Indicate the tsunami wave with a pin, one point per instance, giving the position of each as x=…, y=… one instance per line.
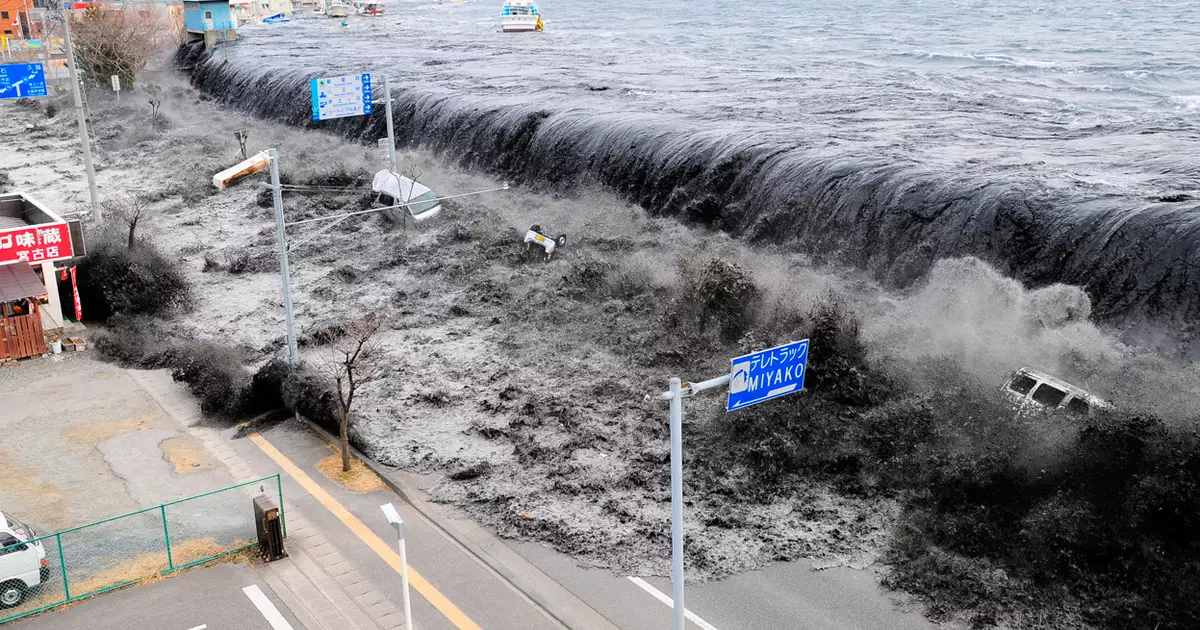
x=1136, y=257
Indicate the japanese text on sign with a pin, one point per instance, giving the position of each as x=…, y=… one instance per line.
x=767, y=374
x=36, y=243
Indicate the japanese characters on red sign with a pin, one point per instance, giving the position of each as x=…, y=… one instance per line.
x=36, y=243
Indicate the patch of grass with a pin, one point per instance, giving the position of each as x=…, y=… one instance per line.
x=358, y=479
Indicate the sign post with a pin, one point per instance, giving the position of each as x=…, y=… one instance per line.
x=387, y=100
x=116, y=83
x=753, y=378
x=22, y=80
x=341, y=97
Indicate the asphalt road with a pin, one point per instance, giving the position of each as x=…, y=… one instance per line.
x=209, y=598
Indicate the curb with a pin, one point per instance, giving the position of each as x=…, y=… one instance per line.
x=563, y=606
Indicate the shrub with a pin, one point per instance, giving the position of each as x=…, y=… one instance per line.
x=138, y=341
x=214, y=374
x=116, y=41
x=311, y=394
x=718, y=293
x=266, y=387
x=116, y=279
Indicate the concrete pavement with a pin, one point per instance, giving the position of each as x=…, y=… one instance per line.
x=210, y=598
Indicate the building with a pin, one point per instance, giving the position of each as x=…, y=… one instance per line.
x=13, y=20
x=32, y=240
x=253, y=11
x=210, y=21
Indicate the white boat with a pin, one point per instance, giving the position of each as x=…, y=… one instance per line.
x=520, y=16
x=338, y=11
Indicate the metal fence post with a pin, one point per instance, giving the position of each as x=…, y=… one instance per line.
x=167, y=537
x=282, y=518
x=62, y=565
x=677, y=501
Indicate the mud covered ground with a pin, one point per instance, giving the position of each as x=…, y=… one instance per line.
x=524, y=382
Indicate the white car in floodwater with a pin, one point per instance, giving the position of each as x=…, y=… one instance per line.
x=1031, y=389
x=395, y=189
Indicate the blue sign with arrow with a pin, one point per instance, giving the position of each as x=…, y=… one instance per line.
x=21, y=80
x=767, y=374
x=339, y=97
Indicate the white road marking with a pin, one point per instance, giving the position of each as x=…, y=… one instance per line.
x=199, y=627
x=662, y=597
x=264, y=606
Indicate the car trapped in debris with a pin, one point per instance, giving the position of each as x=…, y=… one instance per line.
x=395, y=189
x=1032, y=389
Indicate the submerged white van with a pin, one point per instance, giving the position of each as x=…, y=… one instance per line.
x=22, y=563
x=394, y=189
x=1032, y=389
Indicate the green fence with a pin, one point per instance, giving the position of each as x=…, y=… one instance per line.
x=38, y=572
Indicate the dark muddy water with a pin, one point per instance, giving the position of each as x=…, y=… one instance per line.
x=1057, y=140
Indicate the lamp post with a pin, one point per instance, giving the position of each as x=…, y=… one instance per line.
x=393, y=517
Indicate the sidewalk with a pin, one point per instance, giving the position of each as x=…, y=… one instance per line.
x=315, y=581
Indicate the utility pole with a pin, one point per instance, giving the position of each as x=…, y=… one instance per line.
x=387, y=99
x=81, y=119
x=281, y=238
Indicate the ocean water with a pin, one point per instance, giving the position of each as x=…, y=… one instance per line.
x=1057, y=140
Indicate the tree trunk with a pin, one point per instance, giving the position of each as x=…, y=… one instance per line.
x=132, y=227
x=345, y=435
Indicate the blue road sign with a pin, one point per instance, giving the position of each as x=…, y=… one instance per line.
x=21, y=80
x=340, y=97
x=767, y=374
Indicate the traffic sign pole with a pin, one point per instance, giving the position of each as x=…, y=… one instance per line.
x=81, y=118
x=387, y=99
x=677, y=501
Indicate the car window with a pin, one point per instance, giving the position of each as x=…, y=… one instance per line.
x=1049, y=395
x=422, y=203
x=1021, y=384
x=1078, y=405
x=10, y=544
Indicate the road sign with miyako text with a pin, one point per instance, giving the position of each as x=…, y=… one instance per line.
x=21, y=80
x=767, y=374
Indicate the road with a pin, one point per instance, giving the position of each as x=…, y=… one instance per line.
x=210, y=598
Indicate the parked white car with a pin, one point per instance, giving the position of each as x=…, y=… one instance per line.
x=22, y=563
x=1032, y=389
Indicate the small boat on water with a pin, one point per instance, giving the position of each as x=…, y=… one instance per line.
x=520, y=16
x=371, y=8
x=338, y=10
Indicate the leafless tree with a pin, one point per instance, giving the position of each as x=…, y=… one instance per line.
x=117, y=41
x=155, y=100
x=357, y=360
x=130, y=210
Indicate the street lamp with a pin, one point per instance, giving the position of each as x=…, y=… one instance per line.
x=393, y=517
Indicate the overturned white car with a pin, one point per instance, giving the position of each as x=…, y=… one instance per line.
x=1031, y=389
x=395, y=189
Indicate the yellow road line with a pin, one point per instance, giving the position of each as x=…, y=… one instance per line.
x=381, y=549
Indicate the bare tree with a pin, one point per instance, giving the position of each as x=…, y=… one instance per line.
x=117, y=41
x=357, y=360
x=130, y=210
x=155, y=100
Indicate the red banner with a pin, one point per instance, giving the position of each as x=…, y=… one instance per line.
x=75, y=291
x=35, y=244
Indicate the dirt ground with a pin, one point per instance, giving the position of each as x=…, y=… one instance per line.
x=526, y=382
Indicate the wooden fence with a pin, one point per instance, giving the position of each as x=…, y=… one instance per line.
x=21, y=336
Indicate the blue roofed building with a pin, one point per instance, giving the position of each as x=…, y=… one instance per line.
x=210, y=21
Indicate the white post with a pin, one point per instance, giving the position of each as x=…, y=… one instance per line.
x=54, y=308
x=387, y=99
x=404, y=579
x=281, y=240
x=677, y=500
x=397, y=523
x=82, y=120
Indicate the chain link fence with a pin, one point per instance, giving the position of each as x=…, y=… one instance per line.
x=38, y=572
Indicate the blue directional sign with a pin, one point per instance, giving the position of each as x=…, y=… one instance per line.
x=340, y=97
x=21, y=80
x=767, y=374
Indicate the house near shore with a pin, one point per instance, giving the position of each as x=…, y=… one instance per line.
x=209, y=21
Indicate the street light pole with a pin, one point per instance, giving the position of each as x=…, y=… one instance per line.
x=81, y=118
x=281, y=240
x=397, y=523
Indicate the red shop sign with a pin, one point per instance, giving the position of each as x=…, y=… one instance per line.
x=35, y=244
